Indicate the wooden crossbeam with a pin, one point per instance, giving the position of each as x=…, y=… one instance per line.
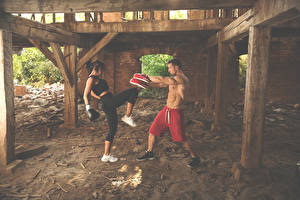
x=265, y=12
x=38, y=31
x=67, y=6
x=61, y=63
x=95, y=49
x=149, y=26
x=47, y=53
x=235, y=30
x=274, y=12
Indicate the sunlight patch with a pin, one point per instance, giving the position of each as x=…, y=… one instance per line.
x=132, y=180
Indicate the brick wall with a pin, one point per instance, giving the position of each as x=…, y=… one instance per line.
x=284, y=71
x=283, y=81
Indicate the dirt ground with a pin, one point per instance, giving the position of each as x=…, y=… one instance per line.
x=70, y=167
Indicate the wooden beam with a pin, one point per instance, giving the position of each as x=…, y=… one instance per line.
x=226, y=82
x=286, y=32
x=210, y=81
x=66, y=6
x=238, y=28
x=44, y=49
x=265, y=12
x=70, y=91
x=220, y=100
x=7, y=114
x=274, y=12
x=38, y=31
x=61, y=63
x=95, y=49
x=235, y=30
x=149, y=26
x=256, y=80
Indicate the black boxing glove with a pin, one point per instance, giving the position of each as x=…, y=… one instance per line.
x=91, y=113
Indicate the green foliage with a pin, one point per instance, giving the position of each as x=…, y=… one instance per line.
x=129, y=15
x=178, y=14
x=33, y=68
x=242, y=70
x=155, y=65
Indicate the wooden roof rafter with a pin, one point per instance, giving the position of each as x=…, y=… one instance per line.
x=265, y=13
x=38, y=31
x=67, y=6
x=95, y=49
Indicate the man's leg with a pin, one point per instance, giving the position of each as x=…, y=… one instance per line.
x=195, y=159
x=151, y=140
x=178, y=134
x=158, y=126
x=149, y=154
x=188, y=148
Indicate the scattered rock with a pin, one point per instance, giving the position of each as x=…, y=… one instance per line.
x=95, y=195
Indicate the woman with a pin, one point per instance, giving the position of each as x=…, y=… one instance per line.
x=99, y=89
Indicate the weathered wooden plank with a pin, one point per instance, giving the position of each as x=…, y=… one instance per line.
x=38, y=31
x=70, y=91
x=256, y=80
x=95, y=49
x=235, y=30
x=274, y=12
x=61, y=63
x=7, y=117
x=226, y=82
x=30, y=152
x=149, y=26
x=210, y=82
x=239, y=27
x=12, y=167
x=66, y=6
x=220, y=101
x=47, y=53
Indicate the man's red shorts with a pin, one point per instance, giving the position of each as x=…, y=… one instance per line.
x=172, y=119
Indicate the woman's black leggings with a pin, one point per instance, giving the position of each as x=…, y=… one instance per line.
x=110, y=103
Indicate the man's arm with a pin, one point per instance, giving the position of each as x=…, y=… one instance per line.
x=157, y=85
x=165, y=80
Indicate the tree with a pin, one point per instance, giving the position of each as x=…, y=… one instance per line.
x=155, y=65
x=242, y=70
x=33, y=68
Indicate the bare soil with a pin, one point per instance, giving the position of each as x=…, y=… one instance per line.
x=70, y=167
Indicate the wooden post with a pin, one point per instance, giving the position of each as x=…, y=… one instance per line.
x=70, y=90
x=210, y=82
x=87, y=16
x=7, y=117
x=151, y=15
x=223, y=92
x=256, y=79
x=100, y=18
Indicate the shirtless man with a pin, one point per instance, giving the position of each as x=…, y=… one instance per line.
x=171, y=116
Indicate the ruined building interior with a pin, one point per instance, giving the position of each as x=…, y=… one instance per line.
x=247, y=140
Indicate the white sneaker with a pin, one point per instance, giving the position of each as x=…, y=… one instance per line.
x=108, y=158
x=128, y=120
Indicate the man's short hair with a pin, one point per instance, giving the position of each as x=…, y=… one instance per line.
x=175, y=62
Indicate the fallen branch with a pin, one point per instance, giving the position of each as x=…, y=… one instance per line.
x=62, y=188
x=82, y=165
x=36, y=174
